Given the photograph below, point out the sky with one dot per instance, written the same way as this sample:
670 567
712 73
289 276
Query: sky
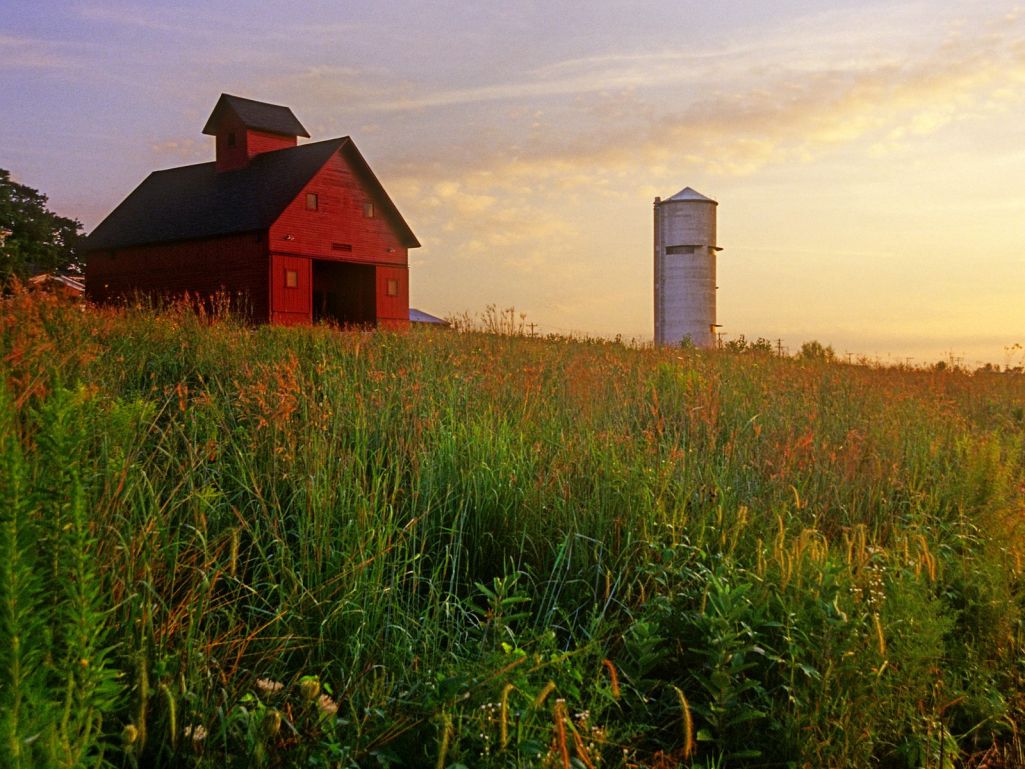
868 157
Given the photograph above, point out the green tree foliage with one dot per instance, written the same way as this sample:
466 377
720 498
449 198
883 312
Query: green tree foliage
742 344
33 238
814 350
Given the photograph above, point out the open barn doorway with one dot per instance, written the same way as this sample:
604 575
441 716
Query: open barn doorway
344 293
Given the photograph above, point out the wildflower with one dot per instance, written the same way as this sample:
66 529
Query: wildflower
268 686
327 705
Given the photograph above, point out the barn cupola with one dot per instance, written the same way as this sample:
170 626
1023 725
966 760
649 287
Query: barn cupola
244 128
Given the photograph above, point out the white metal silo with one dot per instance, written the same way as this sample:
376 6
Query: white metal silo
685 251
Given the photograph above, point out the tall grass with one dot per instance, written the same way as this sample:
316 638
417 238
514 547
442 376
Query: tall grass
222 545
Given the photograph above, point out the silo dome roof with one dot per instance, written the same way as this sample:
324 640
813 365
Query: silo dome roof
688 193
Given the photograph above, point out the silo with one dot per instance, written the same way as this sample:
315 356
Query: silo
685 250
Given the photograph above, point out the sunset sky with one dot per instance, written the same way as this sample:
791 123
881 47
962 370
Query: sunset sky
868 157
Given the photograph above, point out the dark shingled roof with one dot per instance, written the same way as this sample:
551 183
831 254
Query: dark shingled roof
196 201
257 115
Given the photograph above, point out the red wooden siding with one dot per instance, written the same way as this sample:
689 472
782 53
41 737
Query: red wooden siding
231 157
340 231
259 141
235 264
393 311
290 304
338 223
247 143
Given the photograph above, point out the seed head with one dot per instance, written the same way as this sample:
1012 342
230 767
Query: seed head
272 722
309 687
129 735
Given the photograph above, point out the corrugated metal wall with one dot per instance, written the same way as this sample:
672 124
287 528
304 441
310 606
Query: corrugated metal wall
685 257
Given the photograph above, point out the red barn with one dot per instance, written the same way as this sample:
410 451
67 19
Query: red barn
298 233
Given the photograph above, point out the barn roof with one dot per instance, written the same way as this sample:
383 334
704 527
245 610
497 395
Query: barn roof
196 201
45 279
257 115
419 316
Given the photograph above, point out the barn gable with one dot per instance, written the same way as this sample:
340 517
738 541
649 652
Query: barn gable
340 250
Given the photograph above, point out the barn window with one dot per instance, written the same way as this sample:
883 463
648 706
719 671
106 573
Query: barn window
291 279
368 210
231 138
312 201
392 287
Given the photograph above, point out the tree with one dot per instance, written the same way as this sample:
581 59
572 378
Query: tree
741 344
33 238
814 350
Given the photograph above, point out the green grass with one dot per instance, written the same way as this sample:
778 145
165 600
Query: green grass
227 546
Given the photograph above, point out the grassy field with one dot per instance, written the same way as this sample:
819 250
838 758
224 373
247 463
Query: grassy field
225 546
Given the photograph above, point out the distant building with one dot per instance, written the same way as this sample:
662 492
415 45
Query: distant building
421 318
68 286
685 249
293 233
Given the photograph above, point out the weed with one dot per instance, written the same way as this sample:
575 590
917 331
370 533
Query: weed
228 546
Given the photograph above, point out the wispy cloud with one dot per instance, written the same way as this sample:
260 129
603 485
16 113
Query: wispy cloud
35 53
133 15
184 150
736 127
516 195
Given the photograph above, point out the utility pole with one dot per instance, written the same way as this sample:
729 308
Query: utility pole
779 348
532 326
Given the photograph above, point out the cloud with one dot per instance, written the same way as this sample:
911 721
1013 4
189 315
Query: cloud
34 53
729 112
128 16
183 150
535 190
843 35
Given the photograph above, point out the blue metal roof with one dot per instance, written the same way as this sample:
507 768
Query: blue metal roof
419 316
